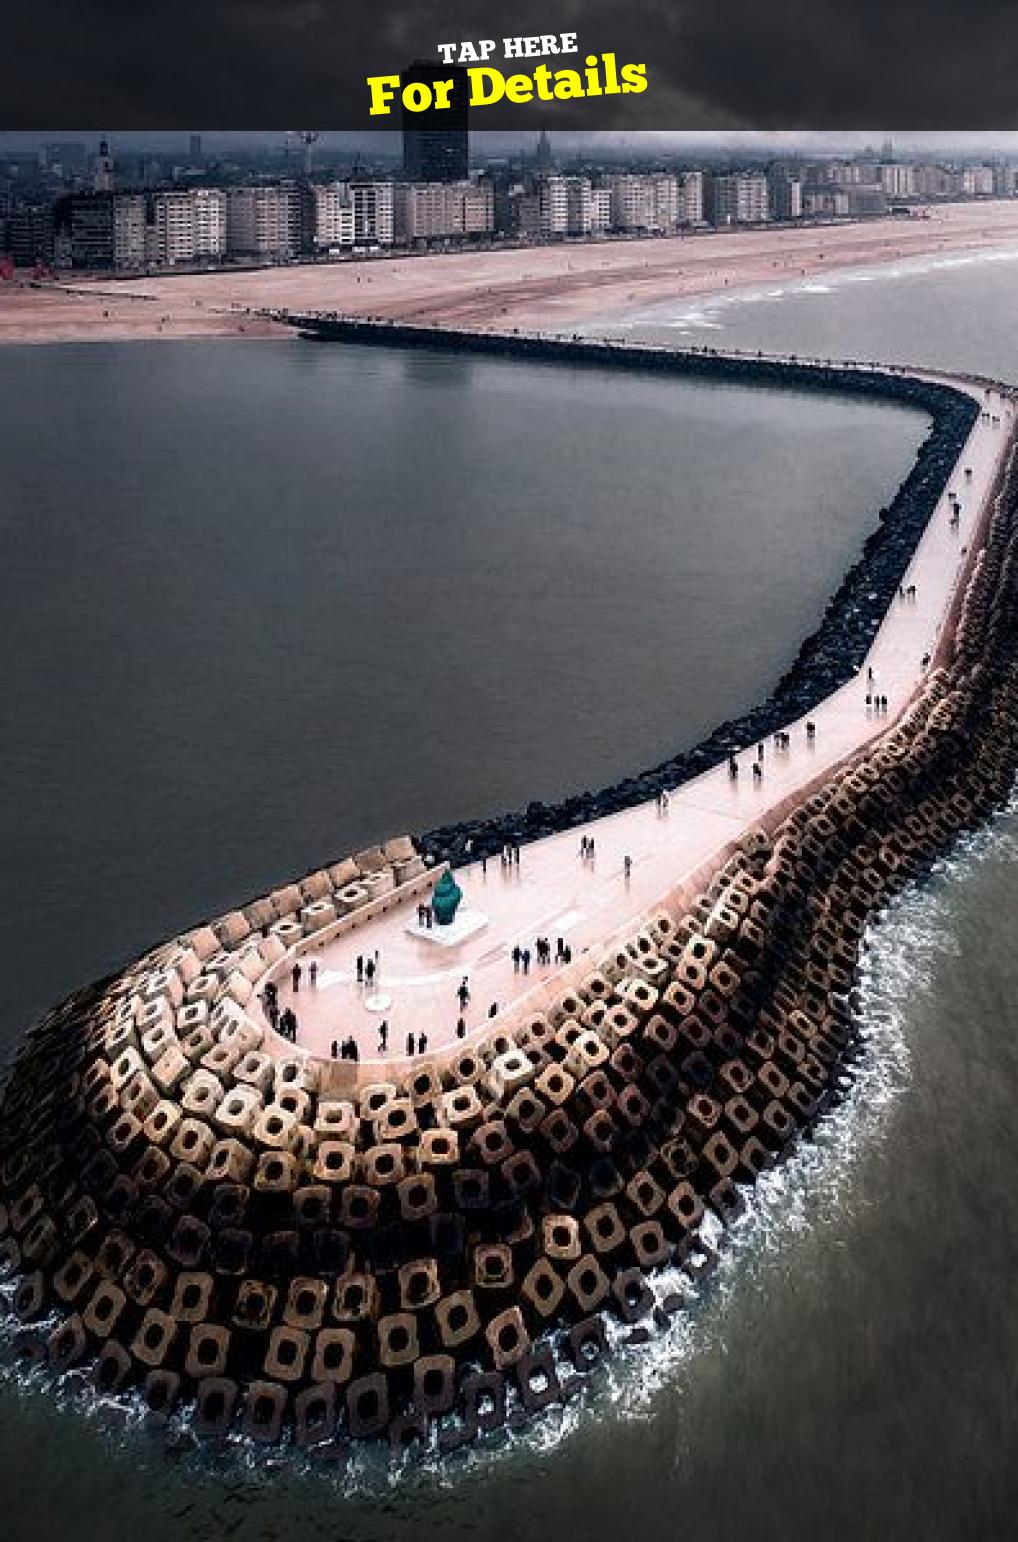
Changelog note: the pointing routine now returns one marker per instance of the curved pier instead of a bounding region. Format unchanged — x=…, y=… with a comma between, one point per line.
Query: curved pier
x=424, y=1249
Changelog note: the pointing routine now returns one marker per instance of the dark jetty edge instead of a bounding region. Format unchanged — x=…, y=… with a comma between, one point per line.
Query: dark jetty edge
x=827, y=659
x=429, y=1261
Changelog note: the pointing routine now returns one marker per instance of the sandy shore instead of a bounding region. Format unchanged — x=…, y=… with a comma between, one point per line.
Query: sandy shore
x=543, y=287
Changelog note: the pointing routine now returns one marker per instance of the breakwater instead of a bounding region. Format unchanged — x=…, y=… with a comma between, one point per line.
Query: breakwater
x=828, y=658
x=191, y=1209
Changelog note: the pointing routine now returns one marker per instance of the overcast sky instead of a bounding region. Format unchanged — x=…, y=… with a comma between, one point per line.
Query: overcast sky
x=711, y=64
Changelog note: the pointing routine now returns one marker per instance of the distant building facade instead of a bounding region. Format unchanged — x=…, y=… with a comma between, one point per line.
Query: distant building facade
x=373, y=213
x=430, y=211
x=332, y=217
x=738, y=198
x=264, y=222
x=188, y=226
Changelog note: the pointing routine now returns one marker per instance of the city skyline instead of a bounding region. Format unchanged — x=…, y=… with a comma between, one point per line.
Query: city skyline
x=494, y=142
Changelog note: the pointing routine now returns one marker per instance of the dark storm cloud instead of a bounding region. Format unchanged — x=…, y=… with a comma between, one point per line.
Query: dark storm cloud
x=721, y=64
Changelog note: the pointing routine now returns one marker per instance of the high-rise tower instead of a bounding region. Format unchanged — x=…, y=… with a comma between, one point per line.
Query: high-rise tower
x=436, y=144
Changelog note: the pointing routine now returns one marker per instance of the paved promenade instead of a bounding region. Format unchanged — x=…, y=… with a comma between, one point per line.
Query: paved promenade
x=554, y=893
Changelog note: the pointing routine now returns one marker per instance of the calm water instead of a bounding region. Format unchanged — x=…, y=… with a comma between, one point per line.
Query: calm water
x=266, y=603
x=270, y=602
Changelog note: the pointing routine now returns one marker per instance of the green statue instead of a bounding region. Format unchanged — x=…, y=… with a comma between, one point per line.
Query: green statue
x=446, y=898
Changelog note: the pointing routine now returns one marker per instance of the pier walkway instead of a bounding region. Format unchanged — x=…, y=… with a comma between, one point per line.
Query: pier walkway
x=554, y=894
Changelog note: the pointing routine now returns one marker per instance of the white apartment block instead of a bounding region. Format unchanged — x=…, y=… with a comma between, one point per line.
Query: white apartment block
x=428, y=211
x=373, y=206
x=977, y=181
x=188, y=226
x=600, y=210
x=642, y=202
x=263, y=221
x=209, y=208
x=333, y=216
x=740, y=198
x=129, y=230
x=554, y=206
x=898, y=180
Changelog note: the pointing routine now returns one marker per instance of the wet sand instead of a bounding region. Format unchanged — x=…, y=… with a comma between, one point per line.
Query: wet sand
x=540, y=287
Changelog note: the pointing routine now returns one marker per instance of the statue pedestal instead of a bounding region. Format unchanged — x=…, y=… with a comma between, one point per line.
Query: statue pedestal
x=466, y=923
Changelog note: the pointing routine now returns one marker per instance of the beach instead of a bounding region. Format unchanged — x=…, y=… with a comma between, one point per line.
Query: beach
x=548, y=287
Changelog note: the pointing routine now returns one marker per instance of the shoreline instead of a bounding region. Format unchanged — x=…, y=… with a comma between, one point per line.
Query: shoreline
x=544, y=287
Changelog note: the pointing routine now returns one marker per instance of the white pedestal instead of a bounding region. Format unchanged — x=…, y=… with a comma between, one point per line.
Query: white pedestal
x=466, y=923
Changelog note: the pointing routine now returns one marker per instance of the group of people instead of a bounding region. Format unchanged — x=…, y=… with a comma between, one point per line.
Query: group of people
x=782, y=741
x=296, y=974
x=426, y=916
x=367, y=967
x=587, y=848
x=345, y=1049
x=875, y=701
x=542, y=953
x=283, y=1021
x=906, y=591
x=511, y=854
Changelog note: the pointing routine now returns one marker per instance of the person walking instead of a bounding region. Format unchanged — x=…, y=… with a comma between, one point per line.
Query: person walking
x=360, y=969
x=516, y=959
x=410, y=1044
x=526, y=960
x=369, y=971
x=295, y=977
x=463, y=993
x=313, y=973
x=461, y=1027
x=383, y=1036
x=627, y=867
x=422, y=1044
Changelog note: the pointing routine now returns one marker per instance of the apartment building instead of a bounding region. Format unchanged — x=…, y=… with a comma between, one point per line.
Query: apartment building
x=264, y=221
x=898, y=179
x=333, y=217
x=644, y=202
x=738, y=198
x=430, y=211
x=189, y=225
x=690, y=198
x=373, y=211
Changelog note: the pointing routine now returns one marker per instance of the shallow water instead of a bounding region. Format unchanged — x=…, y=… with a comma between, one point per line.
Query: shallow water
x=850, y=1370
x=952, y=312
